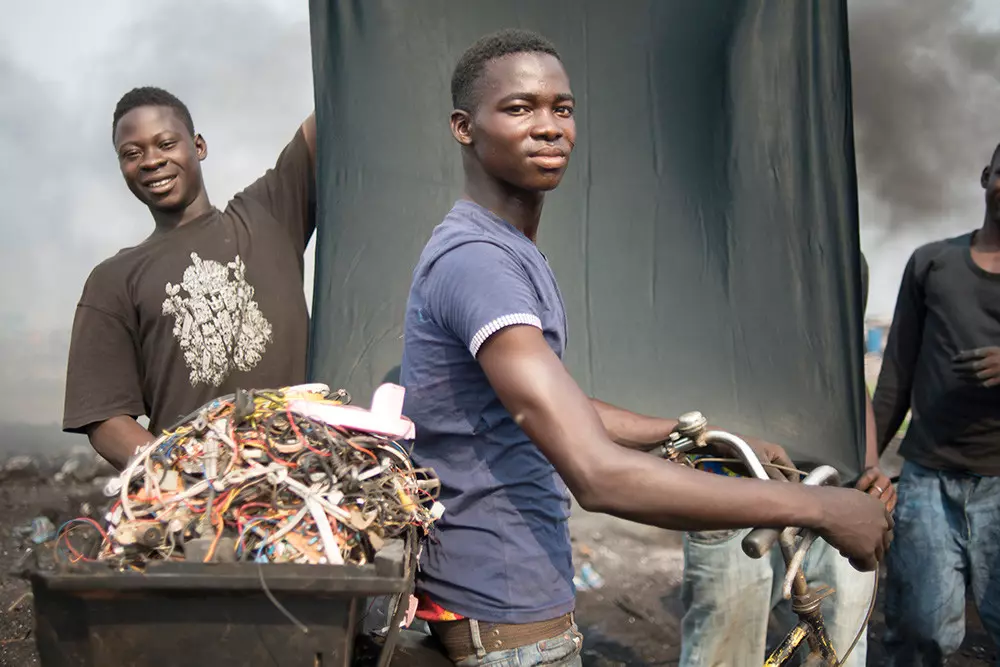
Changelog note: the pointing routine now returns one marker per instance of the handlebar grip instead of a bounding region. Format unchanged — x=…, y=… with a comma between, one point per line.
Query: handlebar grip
x=759, y=541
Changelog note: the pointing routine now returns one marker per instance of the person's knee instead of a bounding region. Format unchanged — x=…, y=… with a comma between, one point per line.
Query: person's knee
x=931, y=618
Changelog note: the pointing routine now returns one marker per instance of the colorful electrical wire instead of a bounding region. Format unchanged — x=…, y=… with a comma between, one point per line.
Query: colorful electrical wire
x=247, y=478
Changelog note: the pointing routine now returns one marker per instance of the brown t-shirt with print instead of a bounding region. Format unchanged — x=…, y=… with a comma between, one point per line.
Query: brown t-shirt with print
x=200, y=311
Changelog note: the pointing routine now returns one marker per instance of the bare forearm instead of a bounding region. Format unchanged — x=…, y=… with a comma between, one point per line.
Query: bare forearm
x=544, y=400
x=871, y=435
x=632, y=430
x=116, y=439
x=656, y=492
x=626, y=483
x=639, y=487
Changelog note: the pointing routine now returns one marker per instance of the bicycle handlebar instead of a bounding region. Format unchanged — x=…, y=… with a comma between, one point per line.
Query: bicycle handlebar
x=692, y=433
x=760, y=540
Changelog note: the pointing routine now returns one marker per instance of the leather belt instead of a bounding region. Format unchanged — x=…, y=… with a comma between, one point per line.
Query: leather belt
x=459, y=637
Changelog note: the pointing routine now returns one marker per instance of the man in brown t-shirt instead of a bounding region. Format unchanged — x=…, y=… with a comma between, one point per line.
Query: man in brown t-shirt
x=210, y=302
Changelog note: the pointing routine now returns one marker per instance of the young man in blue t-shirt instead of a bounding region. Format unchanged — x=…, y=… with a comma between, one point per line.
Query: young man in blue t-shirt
x=499, y=417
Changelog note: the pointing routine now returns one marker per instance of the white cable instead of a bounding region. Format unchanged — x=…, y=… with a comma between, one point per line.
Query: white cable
x=306, y=494
x=210, y=458
x=372, y=472
x=330, y=544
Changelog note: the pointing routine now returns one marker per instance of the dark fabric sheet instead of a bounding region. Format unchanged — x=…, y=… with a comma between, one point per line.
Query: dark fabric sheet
x=705, y=237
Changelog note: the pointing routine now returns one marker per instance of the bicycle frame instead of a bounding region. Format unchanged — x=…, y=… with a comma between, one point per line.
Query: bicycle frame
x=692, y=433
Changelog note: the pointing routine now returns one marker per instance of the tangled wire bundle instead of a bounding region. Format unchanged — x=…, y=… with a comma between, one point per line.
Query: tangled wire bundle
x=250, y=478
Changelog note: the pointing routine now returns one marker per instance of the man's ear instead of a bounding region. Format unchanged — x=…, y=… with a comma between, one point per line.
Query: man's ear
x=200, y=147
x=984, y=178
x=461, y=127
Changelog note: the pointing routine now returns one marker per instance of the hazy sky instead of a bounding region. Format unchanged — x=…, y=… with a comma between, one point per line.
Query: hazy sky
x=925, y=83
x=243, y=68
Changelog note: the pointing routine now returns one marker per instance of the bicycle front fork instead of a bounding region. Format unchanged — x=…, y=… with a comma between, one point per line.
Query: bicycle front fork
x=810, y=629
x=806, y=604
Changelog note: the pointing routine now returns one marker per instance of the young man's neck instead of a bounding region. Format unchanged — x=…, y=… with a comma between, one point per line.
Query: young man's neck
x=170, y=220
x=987, y=239
x=520, y=208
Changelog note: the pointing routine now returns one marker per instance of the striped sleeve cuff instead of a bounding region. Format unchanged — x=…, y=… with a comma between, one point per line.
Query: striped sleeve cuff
x=499, y=323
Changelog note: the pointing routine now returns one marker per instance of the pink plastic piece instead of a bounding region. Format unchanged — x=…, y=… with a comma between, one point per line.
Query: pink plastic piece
x=385, y=417
x=411, y=612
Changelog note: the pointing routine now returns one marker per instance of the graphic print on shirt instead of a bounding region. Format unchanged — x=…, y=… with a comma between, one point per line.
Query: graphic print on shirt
x=217, y=323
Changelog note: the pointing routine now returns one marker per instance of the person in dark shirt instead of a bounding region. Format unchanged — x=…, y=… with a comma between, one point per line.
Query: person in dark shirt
x=209, y=302
x=502, y=422
x=942, y=363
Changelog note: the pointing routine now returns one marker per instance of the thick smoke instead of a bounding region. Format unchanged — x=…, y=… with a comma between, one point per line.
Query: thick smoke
x=926, y=85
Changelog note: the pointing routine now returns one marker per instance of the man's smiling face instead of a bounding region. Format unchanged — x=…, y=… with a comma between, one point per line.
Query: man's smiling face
x=159, y=158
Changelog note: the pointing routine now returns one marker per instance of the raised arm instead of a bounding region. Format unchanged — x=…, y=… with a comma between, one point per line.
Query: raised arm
x=895, y=381
x=288, y=189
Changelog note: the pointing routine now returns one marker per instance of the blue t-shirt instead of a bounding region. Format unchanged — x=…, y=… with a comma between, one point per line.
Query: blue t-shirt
x=501, y=552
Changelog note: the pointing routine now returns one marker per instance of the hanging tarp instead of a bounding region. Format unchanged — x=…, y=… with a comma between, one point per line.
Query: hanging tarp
x=705, y=237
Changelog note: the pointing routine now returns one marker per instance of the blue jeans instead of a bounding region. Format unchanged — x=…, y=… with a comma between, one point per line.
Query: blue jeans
x=947, y=538
x=728, y=598
x=560, y=651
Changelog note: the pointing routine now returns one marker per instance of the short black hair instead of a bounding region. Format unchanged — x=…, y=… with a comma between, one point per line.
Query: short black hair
x=150, y=96
x=996, y=152
x=490, y=47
